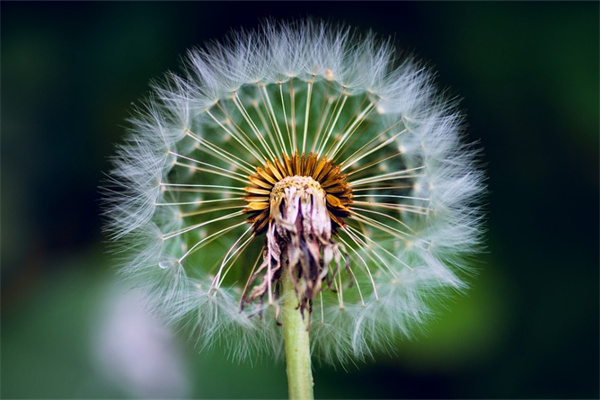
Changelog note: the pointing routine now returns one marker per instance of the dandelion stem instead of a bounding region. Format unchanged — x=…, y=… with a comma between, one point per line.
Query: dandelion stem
x=297, y=344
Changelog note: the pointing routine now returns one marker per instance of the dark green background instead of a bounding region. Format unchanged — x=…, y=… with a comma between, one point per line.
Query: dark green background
x=528, y=76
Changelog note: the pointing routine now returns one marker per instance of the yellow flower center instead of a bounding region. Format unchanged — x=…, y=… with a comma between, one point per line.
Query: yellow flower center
x=270, y=178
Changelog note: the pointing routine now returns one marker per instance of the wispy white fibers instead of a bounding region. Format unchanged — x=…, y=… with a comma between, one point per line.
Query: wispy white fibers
x=179, y=194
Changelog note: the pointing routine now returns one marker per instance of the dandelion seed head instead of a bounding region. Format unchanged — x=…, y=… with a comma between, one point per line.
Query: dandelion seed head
x=299, y=149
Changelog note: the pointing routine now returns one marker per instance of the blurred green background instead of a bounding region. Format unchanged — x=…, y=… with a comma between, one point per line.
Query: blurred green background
x=528, y=77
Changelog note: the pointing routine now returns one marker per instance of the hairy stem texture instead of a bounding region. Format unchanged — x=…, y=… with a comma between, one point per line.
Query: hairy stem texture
x=297, y=344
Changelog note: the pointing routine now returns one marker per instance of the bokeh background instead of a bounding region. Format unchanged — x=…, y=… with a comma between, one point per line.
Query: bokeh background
x=528, y=328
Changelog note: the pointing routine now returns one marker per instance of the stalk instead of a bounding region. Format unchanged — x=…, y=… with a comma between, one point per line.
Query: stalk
x=297, y=345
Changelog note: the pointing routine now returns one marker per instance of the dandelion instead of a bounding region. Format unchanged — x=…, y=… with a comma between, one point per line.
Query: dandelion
x=296, y=181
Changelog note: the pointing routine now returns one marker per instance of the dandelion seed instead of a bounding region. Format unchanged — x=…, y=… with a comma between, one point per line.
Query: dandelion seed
x=301, y=163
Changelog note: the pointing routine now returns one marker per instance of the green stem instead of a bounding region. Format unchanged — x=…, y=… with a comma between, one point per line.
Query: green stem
x=297, y=345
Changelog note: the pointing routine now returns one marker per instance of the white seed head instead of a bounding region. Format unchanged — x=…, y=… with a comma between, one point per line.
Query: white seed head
x=305, y=145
